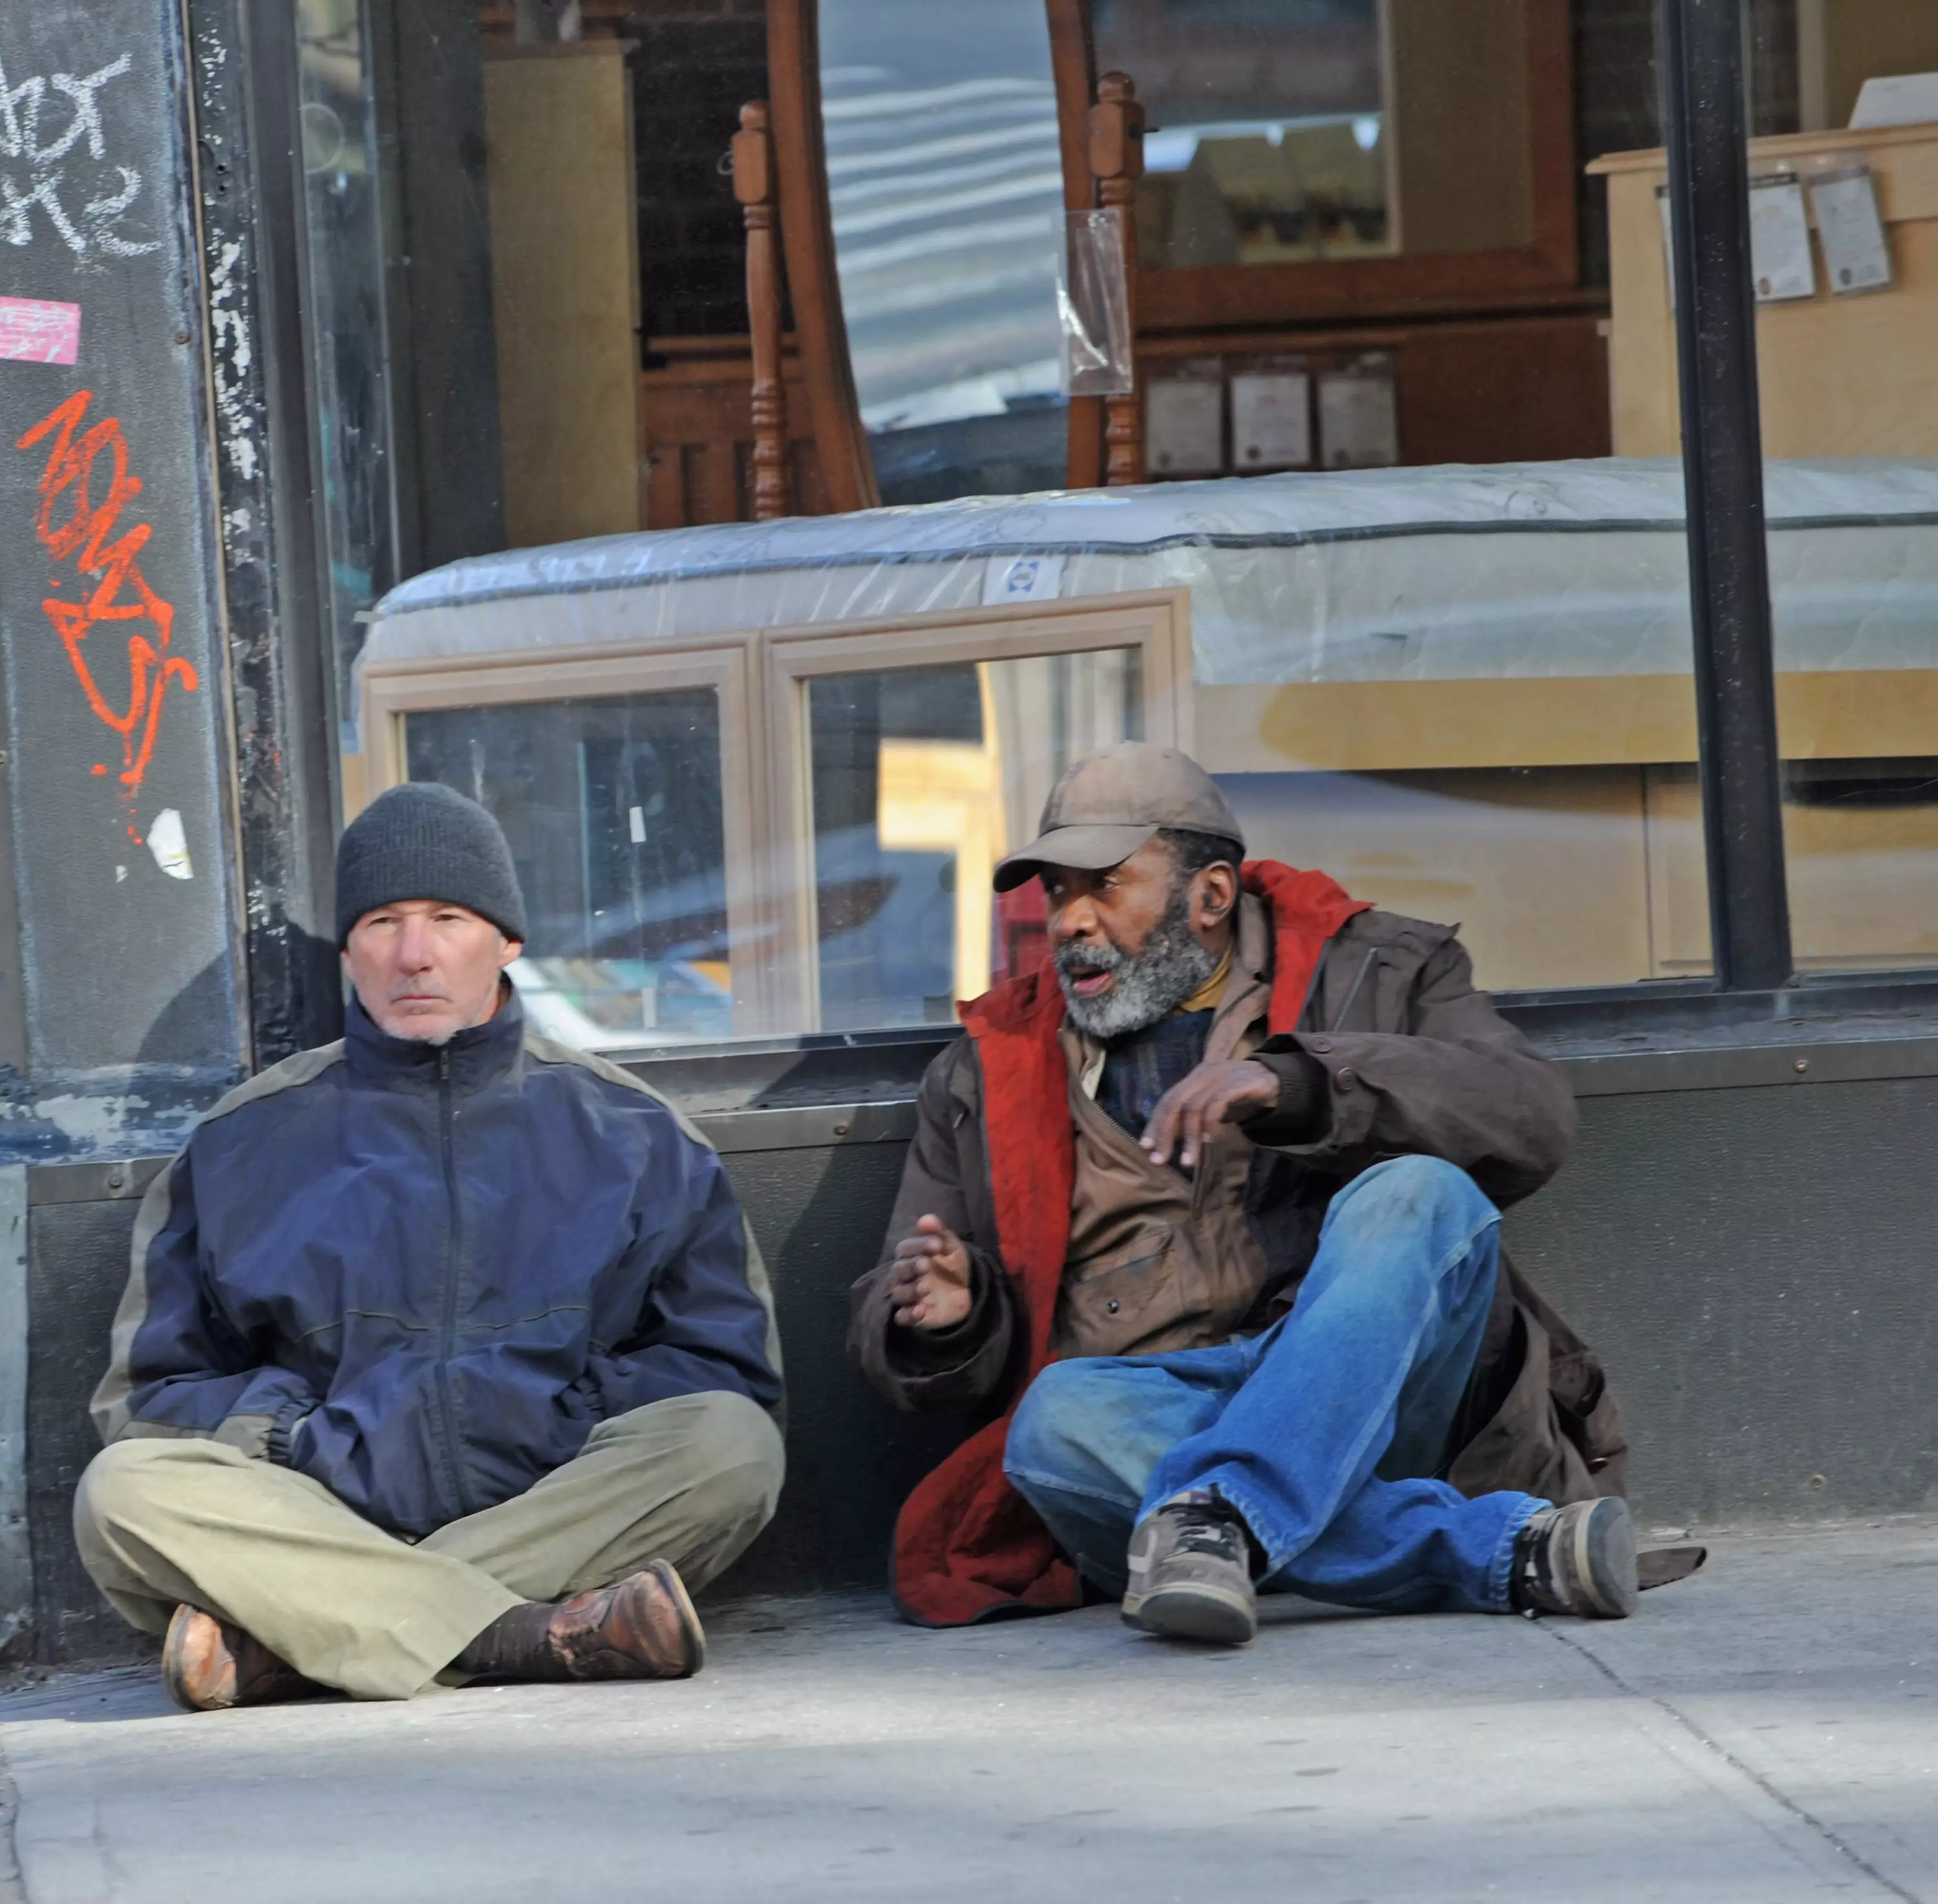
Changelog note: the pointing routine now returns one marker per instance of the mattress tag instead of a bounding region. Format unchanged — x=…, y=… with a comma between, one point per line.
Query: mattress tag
x=1021, y=579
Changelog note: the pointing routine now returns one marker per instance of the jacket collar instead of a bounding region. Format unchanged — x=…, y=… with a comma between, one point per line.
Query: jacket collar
x=480, y=1055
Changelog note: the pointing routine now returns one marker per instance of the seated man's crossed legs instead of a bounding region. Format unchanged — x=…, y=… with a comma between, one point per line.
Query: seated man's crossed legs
x=310, y=1592
x=529, y=1329
x=1303, y=1460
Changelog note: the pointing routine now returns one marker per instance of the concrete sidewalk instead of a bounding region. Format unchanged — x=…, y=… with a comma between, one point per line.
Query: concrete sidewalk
x=1767, y=1731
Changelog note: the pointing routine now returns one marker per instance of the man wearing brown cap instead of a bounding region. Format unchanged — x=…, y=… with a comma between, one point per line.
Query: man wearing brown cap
x=1202, y=1218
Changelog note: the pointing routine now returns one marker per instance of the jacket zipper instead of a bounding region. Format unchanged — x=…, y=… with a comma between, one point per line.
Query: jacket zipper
x=452, y=1255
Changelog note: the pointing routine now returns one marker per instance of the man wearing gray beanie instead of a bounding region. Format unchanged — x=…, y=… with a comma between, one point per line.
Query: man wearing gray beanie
x=446, y=1352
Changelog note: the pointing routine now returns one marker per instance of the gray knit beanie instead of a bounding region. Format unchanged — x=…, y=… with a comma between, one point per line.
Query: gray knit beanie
x=425, y=841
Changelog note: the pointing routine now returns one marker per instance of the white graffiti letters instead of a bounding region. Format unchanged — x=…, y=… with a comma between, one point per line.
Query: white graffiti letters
x=46, y=123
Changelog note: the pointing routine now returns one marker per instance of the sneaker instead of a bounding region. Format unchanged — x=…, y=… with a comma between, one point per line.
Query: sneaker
x=208, y=1665
x=1191, y=1576
x=1580, y=1558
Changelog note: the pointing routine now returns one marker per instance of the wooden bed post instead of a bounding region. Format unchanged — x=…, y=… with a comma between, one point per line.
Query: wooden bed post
x=753, y=187
x=1117, y=158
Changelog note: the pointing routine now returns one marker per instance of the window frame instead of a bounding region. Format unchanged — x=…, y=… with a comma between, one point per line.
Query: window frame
x=762, y=678
x=393, y=690
x=1156, y=621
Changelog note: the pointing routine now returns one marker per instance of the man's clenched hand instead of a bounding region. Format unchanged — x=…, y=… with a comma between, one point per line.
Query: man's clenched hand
x=928, y=1278
x=1188, y=1114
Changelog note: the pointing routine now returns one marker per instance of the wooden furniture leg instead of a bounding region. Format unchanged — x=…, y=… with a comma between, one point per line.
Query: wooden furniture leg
x=753, y=187
x=1117, y=158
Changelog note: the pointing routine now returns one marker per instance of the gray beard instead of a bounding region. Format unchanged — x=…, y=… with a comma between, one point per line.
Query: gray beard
x=1173, y=964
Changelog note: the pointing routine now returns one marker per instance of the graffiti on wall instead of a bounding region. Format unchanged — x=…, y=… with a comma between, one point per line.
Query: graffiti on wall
x=54, y=162
x=86, y=488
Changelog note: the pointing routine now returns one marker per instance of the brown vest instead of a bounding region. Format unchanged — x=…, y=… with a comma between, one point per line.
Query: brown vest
x=1158, y=1260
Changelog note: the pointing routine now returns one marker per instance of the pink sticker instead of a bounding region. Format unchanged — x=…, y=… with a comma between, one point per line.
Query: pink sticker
x=31, y=332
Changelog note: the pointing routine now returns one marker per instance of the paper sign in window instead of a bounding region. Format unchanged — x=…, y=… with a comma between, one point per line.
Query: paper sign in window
x=1781, y=262
x=1856, y=257
x=1184, y=427
x=1358, y=420
x=1271, y=420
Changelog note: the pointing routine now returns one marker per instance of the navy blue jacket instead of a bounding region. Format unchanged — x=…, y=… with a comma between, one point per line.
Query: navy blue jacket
x=420, y=1273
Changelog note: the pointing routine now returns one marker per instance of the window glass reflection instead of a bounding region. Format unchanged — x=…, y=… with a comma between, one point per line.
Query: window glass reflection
x=1267, y=142
x=945, y=187
x=1298, y=130
x=922, y=778
x=1848, y=374
x=613, y=808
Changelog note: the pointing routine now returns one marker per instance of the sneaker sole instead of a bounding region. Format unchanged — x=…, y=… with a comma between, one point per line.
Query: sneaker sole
x=1205, y=1613
x=1602, y=1559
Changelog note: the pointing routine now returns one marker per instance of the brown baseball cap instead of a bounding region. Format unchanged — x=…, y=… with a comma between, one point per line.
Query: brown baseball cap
x=1107, y=804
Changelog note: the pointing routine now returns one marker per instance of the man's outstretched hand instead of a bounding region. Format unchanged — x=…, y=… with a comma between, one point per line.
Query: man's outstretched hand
x=1188, y=1114
x=928, y=1278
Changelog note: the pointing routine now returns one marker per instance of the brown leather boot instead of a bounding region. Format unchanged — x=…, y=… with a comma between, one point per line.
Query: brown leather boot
x=643, y=1627
x=209, y=1665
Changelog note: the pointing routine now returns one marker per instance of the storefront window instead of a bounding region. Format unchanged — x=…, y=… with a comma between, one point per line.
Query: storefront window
x=1440, y=647
x=1847, y=339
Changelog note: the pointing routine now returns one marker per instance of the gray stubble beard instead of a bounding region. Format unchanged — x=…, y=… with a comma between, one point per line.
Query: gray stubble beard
x=1172, y=964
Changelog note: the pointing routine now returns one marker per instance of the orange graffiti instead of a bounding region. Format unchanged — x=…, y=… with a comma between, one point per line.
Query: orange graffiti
x=71, y=473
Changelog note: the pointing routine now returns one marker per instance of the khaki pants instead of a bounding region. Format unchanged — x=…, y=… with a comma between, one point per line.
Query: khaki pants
x=160, y=1522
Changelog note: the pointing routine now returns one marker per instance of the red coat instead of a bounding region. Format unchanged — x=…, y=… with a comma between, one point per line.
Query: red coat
x=968, y=1545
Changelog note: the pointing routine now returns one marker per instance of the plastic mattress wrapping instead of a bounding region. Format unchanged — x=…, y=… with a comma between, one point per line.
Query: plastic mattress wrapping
x=1460, y=571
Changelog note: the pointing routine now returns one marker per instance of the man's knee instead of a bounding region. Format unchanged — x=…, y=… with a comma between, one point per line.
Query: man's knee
x=1051, y=1429
x=1415, y=1190
x=121, y=1480
x=734, y=1454
x=748, y=1457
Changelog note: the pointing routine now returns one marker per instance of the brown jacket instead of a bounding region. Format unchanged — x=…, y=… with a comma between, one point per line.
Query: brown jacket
x=1416, y=1062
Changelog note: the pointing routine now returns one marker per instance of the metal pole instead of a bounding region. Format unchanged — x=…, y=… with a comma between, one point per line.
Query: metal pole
x=1701, y=53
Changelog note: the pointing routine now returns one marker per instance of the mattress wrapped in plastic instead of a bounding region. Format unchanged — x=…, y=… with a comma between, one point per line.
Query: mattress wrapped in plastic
x=1459, y=572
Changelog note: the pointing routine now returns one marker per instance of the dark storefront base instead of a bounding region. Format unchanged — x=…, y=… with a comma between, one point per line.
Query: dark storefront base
x=1745, y=1237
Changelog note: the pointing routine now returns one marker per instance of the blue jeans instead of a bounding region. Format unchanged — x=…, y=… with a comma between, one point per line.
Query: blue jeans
x=1323, y=1433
